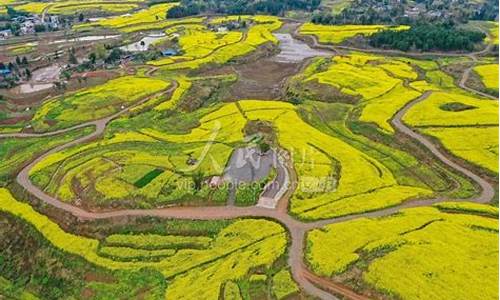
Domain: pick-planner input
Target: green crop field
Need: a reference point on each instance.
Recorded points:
(95, 103)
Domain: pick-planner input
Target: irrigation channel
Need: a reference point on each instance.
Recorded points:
(312, 284)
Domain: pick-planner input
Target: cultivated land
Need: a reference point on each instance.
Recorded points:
(112, 184)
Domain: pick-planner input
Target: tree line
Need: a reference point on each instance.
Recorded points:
(240, 7)
(427, 37)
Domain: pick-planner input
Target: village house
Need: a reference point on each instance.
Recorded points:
(5, 34)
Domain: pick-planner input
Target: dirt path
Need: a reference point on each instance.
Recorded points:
(305, 278)
(465, 78)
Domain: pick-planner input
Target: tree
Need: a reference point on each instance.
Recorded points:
(40, 28)
(198, 177)
(81, 17)
(25, 61)
(115, 55)
(18, 61)
(92, 57)
(28, 74)
(66, 75)
(264, 147)
(100, 51)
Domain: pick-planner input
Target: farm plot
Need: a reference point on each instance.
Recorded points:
(152, 14)
(338, 120)
(72, 7)
(489, 75)
(135, 169)
(162, 24)
(14, 153)
(478, 145)
(440, 253)
(201, 46)
(375, 83)
(151, 168)
(234, 254)
(336, 179)
(95, 103)
(466, 126)
(335, 34)
(67, 7)
(356, 75)
(453, 109)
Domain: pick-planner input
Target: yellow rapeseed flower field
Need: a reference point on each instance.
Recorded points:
(238, 249)
(433, 112)
(96, 102)
(352, 75)
(335, 34)
(478, 145)
(489, 75)
(419, 253)
(152, 14)
(202, 46)
(381, 110)
(468, 207)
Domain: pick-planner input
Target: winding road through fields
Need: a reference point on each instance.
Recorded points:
(309, 282)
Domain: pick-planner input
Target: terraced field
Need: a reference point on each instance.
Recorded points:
(232, 254)
(95, 103)
(465, 125)
(69, 7)
(149, 16)
(336, 34)
(201, 46)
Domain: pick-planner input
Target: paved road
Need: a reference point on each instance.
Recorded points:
(275, 190)
(306, 279)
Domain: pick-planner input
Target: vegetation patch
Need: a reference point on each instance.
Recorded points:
(94, 103)
(456, 106)
(283, 285)
(429, 113)
(468, 207)
(16, 152)
(427, 37)
(146, 179)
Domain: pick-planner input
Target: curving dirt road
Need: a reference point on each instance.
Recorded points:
(306, 279)
(465, 78)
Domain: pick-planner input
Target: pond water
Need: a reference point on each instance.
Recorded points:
(89, 38)
(144, 43)
(293, 50)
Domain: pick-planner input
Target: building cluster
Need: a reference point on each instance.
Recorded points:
(30, 25)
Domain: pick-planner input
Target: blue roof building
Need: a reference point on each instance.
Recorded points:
(169, 52)
(5, 72)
